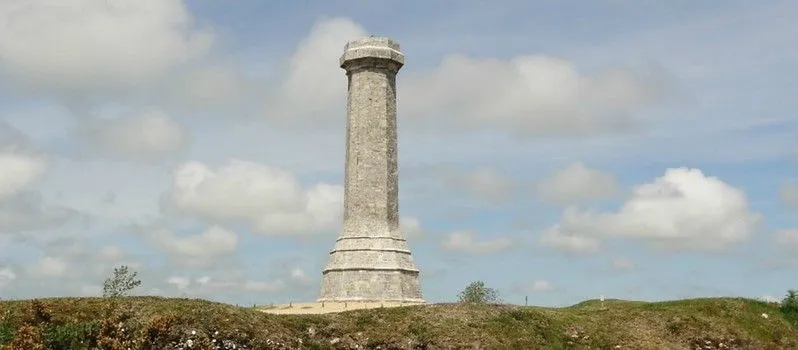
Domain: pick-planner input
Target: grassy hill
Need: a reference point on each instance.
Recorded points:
(163, 323)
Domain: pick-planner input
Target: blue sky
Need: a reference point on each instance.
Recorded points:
(556, 150)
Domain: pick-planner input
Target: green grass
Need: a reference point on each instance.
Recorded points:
(153, 323)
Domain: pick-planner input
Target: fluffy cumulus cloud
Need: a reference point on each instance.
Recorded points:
(411, 227)
(271, 200)
(20, 170)
(51, 267)
(467, 242)
(72, 262)
(576, 182)
(149, 135)
(7, 276)
(88, 45)
(314, 85)
(29, 212)
(210, 285)
(21, 207)
(571, 241)
(789, 194)
(528, 95)
(233, 282)
(202, 249)
(683, 209)
(788, 239)
(525, 95)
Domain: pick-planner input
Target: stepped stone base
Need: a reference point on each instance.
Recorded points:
(371, 285)
(371, 268)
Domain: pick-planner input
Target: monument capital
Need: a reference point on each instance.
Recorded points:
(372, 51)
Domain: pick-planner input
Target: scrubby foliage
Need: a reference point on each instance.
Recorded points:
(789, 305)
(150, 323)
(478, 293)
(121, 283)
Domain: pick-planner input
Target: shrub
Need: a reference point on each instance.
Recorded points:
(37, 314)
(122, 282)
(72, 336)
(6, 332)
(789, 305)
(477, 293)
(27, 338)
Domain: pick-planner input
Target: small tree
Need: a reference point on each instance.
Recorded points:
(477, 293)
(789, 305)
(122, 282)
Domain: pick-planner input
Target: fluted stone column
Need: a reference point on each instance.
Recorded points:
(371, 260)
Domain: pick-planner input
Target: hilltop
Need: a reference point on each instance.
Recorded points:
(165, 323)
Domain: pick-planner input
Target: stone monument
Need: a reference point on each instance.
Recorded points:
(371, 260)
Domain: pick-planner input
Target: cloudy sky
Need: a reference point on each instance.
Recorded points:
(559, 150)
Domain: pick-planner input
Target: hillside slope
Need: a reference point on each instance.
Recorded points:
(162, 323)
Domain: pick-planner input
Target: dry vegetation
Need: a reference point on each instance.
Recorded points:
(162, 323)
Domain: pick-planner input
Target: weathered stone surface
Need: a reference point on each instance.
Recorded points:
(371, 260)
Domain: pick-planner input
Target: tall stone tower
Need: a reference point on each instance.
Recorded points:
(371, 260)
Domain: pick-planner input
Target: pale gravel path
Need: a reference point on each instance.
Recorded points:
(328, 307)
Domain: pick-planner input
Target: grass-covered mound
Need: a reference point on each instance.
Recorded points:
(162, 323)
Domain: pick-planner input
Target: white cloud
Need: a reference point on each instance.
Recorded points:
(569, 241)
(622, 264)
(769, 299)
(149, 135)
(527, 95)
(89, 45)
(28, 212)
(22, 208)
(466, 242)
(683, 209)
(788, 239)
(19, 171)
(272, 200)
(314, 85)
(233, 284)
(576, 182)
(411, 227)
(789, 194)
(541, 286)
(7, 276)
(299, 275)
(180, 282)
(199, 250)
(50, 267)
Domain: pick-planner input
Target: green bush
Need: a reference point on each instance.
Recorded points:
(478, 293)
(121, 283)
(72, 336)
(789, 306)
(6, 333)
